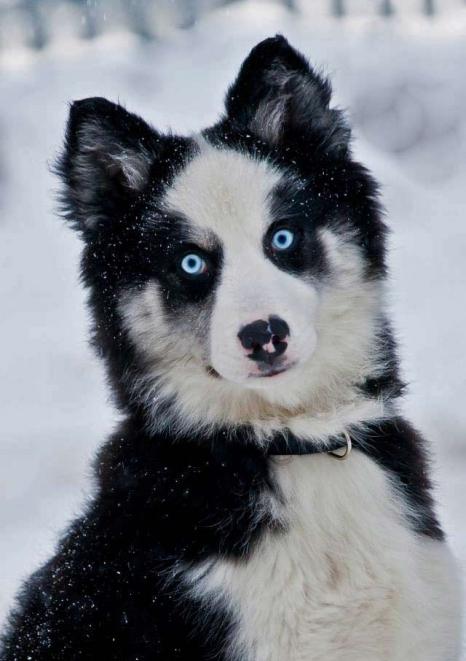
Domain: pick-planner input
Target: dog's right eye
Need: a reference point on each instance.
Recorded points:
(193, 265)
(283, 239)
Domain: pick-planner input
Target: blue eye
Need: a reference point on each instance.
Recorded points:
(283, 239)
(192, 264)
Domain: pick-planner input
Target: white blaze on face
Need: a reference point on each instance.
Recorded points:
(227, 193)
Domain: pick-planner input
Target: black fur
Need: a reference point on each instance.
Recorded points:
(114, 590)
(277, 81)
(107, 593)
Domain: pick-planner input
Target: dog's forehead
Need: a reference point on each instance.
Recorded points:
(224, 191)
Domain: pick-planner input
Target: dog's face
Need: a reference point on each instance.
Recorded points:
(236, 270)
(251, 263)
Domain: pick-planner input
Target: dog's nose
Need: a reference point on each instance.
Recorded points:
(265, 339)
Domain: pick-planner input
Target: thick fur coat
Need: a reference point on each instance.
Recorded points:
(236, 280)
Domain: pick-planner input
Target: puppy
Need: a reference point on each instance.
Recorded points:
(263, 499)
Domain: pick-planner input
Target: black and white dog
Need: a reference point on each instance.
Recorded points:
(236, 279)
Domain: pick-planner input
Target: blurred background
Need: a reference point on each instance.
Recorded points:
(398, 66)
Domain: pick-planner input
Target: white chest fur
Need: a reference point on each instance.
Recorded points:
(347, 581)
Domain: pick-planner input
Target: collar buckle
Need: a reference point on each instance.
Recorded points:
(343, 453)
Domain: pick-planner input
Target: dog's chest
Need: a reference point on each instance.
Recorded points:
(329, 586)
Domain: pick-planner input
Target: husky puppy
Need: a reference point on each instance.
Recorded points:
(236, 280)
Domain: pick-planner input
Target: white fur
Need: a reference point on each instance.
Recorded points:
(224, 191)
(347, 581)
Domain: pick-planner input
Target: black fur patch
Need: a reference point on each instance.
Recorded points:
(159, 506)
(387, 385)
(280, 98)
(295, 206)
(106, 162)
(399, 449)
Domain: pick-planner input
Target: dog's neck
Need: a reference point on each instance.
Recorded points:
(316, 426)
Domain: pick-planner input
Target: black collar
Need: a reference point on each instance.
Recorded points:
(288, 444)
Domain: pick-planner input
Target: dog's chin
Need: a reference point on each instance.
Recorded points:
(271, 372)
(259, 377)
(275, 379)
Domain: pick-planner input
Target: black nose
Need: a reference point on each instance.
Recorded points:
(265, 339)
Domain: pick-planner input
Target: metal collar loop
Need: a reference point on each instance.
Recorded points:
(343, 453)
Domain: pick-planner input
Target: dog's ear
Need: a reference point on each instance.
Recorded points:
(280, 98)
(106, 161)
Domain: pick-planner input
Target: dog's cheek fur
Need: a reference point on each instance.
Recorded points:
(166, 341)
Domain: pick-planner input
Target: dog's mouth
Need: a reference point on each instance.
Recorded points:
(268, 371)
(264, 374)
(212, 372)
(272, 372)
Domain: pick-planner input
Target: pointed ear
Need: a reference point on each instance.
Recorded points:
(106, 161)
(280, 98)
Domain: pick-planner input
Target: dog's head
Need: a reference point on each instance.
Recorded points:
(235, 275)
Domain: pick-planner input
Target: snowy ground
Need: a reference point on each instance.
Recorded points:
(403, 82)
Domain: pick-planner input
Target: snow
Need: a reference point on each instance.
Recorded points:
(404, 85)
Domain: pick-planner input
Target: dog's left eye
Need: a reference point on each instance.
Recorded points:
(283, 239)
(193, 265)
